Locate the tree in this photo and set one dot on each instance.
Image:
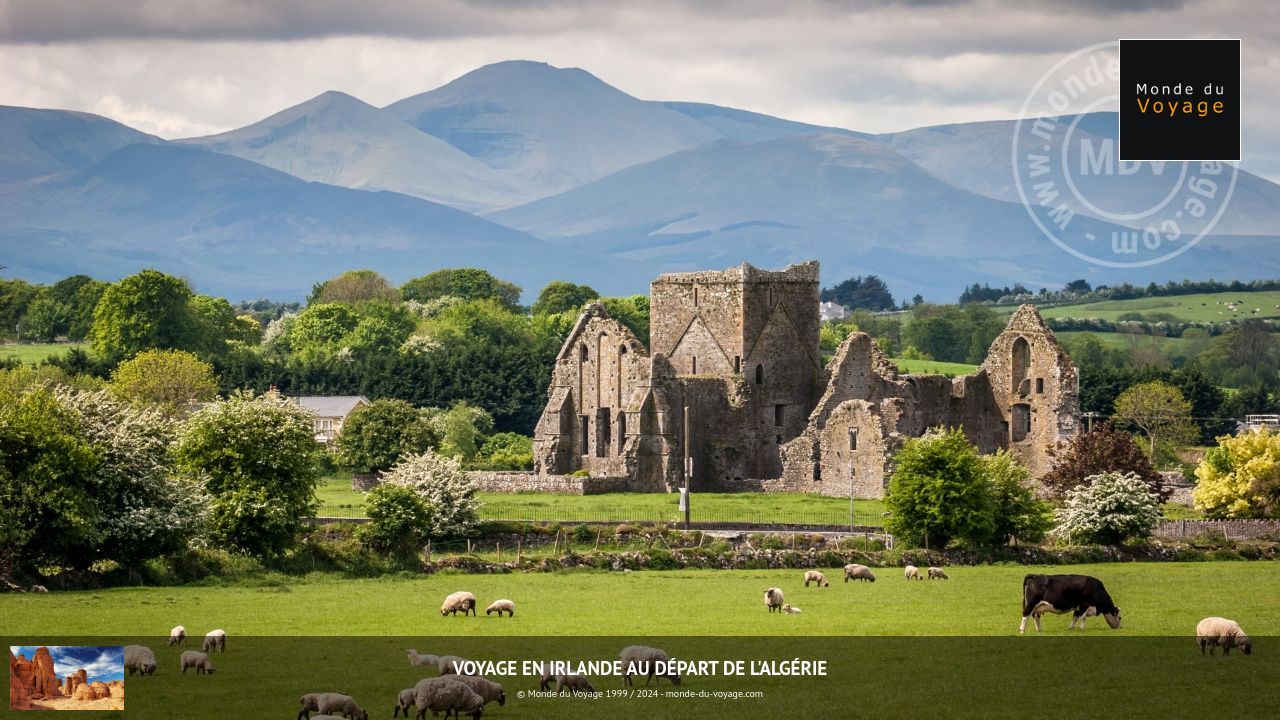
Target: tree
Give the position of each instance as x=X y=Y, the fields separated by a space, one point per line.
x=377 y=435
x=400 y=520
x=464 y=283
x=462 y=430
x=1078 y=286
x=46 y=317
x=1111 y=509
x=320 y=328
x=144 y=311
x=506 y=451
x=172 y=381
x=446 y=491
x=1159 y=411
x=15 y=296
x=257 y=458
x=939 y=491
x=1016 y=511
x=560 y=296
x=1104 y=449
x=632 y=311
x=1240 y=478
x=353 y=287
x=869 y=293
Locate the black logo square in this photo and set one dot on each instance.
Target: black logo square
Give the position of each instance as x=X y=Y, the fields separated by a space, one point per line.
x=1180 y=100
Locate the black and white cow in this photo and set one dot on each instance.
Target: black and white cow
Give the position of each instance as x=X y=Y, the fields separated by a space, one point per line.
x=1080 y=595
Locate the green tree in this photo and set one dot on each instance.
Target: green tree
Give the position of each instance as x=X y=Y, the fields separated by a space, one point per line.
x=939 y=492
x=46 y=317
x=1104 y=449
x=320 y=328
x=171 y=381
x=353 y=287
x=447 y=492
x=1016 y=511
x=560 y=296
x=258 y=460
x=82 y=294
x=632 y=311
x=144 y=311
x=506 y=451
x=464 y=283
x=462 y=430
x=1159 y=412
x=1240 y=478
x=1109 y=510
x=400 y=520
x=377 y=435
x=15 y=296
x=866 y=293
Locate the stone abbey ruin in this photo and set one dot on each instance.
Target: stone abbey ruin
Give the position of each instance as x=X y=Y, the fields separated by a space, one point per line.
x=736 y=352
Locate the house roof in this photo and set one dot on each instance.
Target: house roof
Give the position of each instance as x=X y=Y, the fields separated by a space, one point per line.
x=332 y=406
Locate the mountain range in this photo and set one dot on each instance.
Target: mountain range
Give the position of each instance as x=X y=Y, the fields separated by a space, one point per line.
x=540 y=173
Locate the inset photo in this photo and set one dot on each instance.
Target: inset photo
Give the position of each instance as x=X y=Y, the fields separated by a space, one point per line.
x=66 y=677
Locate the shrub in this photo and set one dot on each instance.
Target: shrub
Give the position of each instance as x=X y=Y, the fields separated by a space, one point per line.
x=1016 y=511
x=400 y=520
x=1112 y=508
x=1105 y=449
x=506 y=451
x=446 y=491
x=1241 y=477
x=376 y=436
x=939 y=492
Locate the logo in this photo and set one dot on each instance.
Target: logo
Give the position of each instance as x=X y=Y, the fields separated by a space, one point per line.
x=1082 y=196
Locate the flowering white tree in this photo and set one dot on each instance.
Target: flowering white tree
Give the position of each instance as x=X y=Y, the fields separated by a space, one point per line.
x=447 y=491
x=1109 y=509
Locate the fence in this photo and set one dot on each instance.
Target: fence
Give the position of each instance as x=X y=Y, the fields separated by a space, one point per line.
x=1230 y=529
x=620 y=515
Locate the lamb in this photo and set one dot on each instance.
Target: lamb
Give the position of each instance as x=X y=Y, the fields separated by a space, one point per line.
x=197 y=660
x=460 y=601
x=177 y=636
x=574 y=684
x=418 y=659
x=773 y=599
x=815 y=576
x=403 y=702
x=1213 y=632
x=911 y=572
x=331 y=703
x=215 y=640
x=484 y=687
x=641 y=657
x=791 y=609
x=937 y=573
x=501 y=606
x=447 y=694
x=139 y=659
x=858 y=572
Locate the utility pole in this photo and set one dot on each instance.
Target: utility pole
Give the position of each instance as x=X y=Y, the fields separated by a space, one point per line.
x=853 y=446
x=688 y=468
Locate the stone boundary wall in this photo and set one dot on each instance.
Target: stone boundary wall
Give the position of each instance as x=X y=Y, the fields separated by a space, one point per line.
x=512 y=481
x=1231 y=529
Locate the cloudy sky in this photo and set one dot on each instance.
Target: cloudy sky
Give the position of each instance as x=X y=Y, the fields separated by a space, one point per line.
x=100 y=662
x=188 y=67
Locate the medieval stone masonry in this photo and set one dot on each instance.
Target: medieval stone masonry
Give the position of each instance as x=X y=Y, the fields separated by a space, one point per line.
x=737 y=353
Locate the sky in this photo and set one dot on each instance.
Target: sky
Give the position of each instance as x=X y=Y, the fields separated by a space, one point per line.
x=101 y=663
x=178 y=68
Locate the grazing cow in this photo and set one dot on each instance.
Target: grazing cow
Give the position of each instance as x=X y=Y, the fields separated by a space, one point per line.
x=1081 y=595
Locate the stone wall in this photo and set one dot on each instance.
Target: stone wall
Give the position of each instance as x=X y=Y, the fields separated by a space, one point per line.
x=1231 y=529
x=529 y=481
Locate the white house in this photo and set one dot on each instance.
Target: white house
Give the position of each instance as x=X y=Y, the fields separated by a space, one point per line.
x=331 y=412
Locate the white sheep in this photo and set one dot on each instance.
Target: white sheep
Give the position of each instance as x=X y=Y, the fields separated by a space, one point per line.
x=447 y=694
x=1213 y=632
x=403 y=702
x=911 y=572
x=773 y=599
x=641 y=657
x=177 y=636
x=574 y=684
x=791 y=609
x=489 y=690
x=197 y=660
x=215 y=640
x=815 y=576
x=39 y=589
x=139 y=659
x=331 y=703
x=450 y=664
x=415 y=658
x=501 y=606
x=460 y=601
x=937 y=573
x=854 y=571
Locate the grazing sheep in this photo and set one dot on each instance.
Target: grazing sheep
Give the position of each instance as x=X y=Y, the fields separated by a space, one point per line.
x=39 y=589
x=574 y=684
x=177 y=636
x=450 y=664
x=331 y=703
x=139 y=659
x=937 y=573
x=911 y=572
x=484 y=687
x=548 y=677
x=815 y=576
x=215 y=640
x=447 y=694
x=1213 y=632
x=646 y=657
x=858 y=572
x=403 y=702
x=460 y=601
x=501 y=606
x=417 y=659
x=791 y=609
x=197 y=660
x=773 y=599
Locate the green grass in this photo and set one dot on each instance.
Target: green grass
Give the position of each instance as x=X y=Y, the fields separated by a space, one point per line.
x=1204 y=307
x=32 y=353
x=934 y=367
x=1168 y=346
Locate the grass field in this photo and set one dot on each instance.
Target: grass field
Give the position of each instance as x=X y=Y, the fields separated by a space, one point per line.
x=934 y=367
x=33 y=353
x=1204 y=307
x=1167 y=346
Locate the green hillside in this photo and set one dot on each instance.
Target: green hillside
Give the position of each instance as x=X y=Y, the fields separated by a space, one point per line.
x=1204 y=307
x=32 y=353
